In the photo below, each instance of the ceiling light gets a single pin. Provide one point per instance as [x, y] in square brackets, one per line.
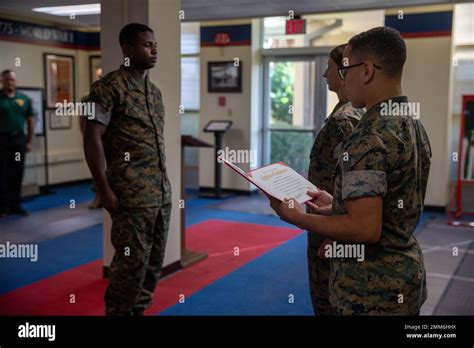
[76, 10]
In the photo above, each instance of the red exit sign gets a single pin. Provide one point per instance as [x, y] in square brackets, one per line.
[295, 26]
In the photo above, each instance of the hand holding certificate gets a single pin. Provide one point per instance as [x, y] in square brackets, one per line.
[278, 180]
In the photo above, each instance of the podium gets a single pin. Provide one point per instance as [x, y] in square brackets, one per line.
[188, 257]
[218, 128]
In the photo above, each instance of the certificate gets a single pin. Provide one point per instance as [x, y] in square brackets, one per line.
[278, 180]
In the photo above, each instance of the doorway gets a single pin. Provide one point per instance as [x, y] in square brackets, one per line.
[294, 107]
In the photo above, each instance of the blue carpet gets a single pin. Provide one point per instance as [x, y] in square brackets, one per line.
[204, 214]
[54, 256]
[82, 192]
[194, 201]
[260, 287]
[62, 195]
[201, 202]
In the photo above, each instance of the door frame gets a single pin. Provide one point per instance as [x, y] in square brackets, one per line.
[318, 55]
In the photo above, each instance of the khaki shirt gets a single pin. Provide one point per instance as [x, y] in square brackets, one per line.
[386, 156]
[134, 141]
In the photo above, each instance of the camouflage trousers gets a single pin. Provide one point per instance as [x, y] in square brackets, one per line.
[318, 270]
[139, 237]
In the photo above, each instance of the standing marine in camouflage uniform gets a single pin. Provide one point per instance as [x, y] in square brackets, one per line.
[380, 186]
[323, 159]
[127, 133]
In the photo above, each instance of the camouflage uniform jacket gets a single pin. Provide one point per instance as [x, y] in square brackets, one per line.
[386, 156]
[327, 145]
[133, 142]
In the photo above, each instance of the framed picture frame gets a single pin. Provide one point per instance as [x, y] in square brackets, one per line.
[58, 122]
[224, 77]
[59, 79]
[37, 100]
[95, 68]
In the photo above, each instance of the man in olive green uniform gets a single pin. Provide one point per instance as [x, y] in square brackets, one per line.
[323, 159]
[15, 109]
[128, 129]
[380, 186]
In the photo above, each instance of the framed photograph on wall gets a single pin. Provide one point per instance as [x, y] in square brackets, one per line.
[37, 102]
[95, 68]
[58, 122]
[224, 77]
[59, 79]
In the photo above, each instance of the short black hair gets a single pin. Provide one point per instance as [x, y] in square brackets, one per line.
[129, 33]
[7, 71]
[385, 45]
[336, 54]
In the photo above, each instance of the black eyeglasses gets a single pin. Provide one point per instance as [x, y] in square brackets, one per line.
[342, 71]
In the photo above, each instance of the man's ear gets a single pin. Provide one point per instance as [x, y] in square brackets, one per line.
[369, 71]
[126, 50]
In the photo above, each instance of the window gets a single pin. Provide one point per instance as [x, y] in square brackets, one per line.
[190, 71]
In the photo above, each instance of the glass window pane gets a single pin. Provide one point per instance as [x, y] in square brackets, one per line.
[190, 83]
[293, 148]
[291, 94]
[190, 38]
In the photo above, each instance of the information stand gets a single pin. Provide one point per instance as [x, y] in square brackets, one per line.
[218, 127]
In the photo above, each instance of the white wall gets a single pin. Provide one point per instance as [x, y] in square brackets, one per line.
[426, 80]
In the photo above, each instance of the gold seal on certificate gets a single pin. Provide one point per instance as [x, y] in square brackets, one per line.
[278, 180]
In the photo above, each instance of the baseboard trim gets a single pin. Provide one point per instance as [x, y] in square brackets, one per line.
[434, 208]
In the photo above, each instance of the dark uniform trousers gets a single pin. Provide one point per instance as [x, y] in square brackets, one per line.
[318, 270]
[12, 147]
[139, 237]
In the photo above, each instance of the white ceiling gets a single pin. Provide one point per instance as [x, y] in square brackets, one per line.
[199, 10]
